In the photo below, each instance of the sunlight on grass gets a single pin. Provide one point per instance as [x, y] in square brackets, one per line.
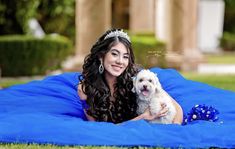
[5, 84]
[221, 81]
[226, 58]
[36, 146]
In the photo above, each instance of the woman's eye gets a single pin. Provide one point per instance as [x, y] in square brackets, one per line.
[126, 57]
[114, 54]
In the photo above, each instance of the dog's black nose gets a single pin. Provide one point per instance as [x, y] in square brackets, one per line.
[144, 86]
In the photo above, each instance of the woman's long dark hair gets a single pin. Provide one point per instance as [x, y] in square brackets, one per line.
[95, 87]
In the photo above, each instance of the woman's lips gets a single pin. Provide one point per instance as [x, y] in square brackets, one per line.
[117, 68]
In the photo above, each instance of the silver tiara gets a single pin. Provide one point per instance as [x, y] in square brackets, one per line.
[117, 33]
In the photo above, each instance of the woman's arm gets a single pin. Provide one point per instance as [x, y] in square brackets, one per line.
[89, 118]
[83, 96]
[179, 113]
[163, 112]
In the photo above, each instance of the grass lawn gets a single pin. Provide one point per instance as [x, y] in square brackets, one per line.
[225, 58]
[221, 81]
[35, 146]
[8, 83]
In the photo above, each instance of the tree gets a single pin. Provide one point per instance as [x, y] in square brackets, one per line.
[15, 14]
[55, 16]
[229, 17]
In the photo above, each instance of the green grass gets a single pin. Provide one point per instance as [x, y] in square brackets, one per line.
[226, 82]
[5, 84]
[221, 81]
[35, 146]
[32, 146]
[225, 58]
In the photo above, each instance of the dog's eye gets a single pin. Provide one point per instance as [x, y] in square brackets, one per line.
[150, 80]
[140, 80]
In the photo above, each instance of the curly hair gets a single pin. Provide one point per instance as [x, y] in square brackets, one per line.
[101, 107]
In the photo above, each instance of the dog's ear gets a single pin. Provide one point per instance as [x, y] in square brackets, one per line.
[134, 80]
[157, 81]
[157, 88]
[133, 90]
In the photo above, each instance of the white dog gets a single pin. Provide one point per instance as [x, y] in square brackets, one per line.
[150, 94]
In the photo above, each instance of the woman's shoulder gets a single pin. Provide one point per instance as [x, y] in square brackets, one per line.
[81, 94]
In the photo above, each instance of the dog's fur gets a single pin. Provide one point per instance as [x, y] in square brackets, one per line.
[150, 94]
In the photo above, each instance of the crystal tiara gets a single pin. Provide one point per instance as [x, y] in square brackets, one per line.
[117, 33]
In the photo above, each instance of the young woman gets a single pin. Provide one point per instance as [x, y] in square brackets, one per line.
[106, 81]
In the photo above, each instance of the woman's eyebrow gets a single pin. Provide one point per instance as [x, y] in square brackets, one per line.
[116, 50]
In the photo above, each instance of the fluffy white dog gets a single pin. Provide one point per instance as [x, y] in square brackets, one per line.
[150, 94]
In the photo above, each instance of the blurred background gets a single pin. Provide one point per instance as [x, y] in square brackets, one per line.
[44, 37]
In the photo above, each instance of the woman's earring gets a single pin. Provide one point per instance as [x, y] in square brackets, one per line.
[101, 68]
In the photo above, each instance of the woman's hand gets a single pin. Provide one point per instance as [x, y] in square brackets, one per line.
[148, 116]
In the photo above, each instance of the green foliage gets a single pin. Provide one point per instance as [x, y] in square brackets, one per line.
[15, 15]
[227, 41]
[148, 50]
[55, 16]
[26, 55]
[24, 15]
[58, 16]
[229, 17]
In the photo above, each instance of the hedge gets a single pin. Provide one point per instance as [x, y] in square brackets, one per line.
[227, 41]
[149, 51]
[22, 55]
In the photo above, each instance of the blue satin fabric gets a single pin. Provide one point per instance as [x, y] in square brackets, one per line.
[50, 111]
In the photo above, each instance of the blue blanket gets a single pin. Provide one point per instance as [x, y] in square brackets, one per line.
[49, 111]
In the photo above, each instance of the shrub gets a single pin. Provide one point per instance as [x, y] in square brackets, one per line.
[25, 55]
[149, 51]
[227, 42]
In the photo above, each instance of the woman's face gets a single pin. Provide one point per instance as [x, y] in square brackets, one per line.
[116, 60]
